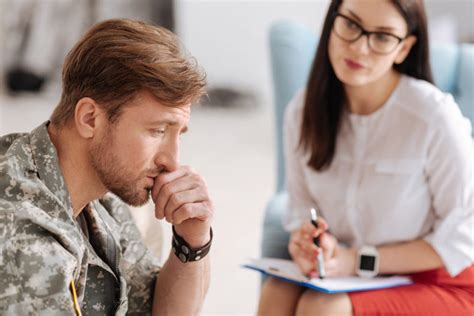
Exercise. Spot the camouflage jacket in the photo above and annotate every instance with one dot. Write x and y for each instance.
(43, 248)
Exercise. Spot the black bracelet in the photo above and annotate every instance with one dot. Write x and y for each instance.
(185, 253)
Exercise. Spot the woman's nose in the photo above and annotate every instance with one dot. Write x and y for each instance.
(361, 45)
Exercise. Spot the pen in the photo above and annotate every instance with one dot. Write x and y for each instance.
(314, 221)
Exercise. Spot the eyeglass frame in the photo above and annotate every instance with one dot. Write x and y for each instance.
(363, 32)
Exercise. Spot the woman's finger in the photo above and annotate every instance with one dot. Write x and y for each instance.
(328, 244)
(304, 265)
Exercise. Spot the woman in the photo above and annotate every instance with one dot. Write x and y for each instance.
(387, 158)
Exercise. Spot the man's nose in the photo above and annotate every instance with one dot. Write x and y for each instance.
(168, 156)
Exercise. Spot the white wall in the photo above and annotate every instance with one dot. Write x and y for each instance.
(450, 20)
(229, 38)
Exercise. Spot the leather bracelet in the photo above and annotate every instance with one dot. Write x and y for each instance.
(185, 253)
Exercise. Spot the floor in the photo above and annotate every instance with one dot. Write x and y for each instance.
(233, 149)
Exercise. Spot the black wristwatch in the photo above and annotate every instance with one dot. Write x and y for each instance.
(185, 253)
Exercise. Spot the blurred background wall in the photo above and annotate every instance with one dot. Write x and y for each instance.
(238, 29)
(227, 36)
(231, 139)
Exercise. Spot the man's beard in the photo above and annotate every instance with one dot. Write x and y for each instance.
(114, 175)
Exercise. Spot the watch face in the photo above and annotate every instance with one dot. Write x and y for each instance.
(367, 263)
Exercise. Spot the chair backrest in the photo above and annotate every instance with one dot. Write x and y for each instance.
(293, 47)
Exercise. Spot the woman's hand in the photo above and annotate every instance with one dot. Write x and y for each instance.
(338, 261)
(302, 248)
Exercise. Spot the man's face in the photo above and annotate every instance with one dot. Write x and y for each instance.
(143, 142)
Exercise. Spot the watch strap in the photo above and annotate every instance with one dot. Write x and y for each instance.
(185, 252)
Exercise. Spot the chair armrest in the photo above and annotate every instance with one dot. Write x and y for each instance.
(275, 238)
(465, 97)
(292, 48)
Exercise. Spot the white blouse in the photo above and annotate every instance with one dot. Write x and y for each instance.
(402, 173)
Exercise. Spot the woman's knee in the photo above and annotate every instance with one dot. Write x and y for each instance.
(316, 303)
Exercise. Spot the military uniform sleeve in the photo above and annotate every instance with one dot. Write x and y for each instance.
(35, 270)
(139, 266)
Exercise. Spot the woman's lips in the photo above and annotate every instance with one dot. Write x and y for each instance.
(353, 64)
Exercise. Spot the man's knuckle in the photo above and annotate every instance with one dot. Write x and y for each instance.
(195, 178)
(167, 189)
(174, 199)
(184, 209)
(187, 169)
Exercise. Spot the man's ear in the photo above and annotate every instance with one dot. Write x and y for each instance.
(87, 117)
(405, 50)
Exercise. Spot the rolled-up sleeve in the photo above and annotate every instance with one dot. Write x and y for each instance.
(449, 171)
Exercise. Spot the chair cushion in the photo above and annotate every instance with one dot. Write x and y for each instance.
(444, 60)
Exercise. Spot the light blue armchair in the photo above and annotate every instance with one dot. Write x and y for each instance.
(292, 49)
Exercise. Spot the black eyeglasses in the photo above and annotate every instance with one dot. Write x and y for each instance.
(350, 31)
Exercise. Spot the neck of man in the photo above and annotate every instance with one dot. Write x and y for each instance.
(82, 182)
(364, 100)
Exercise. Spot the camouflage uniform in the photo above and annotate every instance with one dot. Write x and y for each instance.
(43, 247)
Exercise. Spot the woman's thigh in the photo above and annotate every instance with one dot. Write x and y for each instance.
(279, 297)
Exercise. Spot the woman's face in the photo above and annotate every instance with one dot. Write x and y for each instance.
(354, 61)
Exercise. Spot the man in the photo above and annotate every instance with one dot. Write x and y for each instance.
(67, 245)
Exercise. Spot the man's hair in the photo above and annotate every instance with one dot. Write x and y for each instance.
(118, 58)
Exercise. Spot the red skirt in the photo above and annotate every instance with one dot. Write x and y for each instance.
(433, 293)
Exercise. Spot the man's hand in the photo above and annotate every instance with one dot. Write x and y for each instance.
(181, 198)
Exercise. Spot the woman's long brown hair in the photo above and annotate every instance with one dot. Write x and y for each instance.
(325, 94)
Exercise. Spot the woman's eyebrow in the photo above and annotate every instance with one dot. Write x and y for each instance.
(382, 28)
(355, 16)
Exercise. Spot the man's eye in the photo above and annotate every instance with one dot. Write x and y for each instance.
(157, 132)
